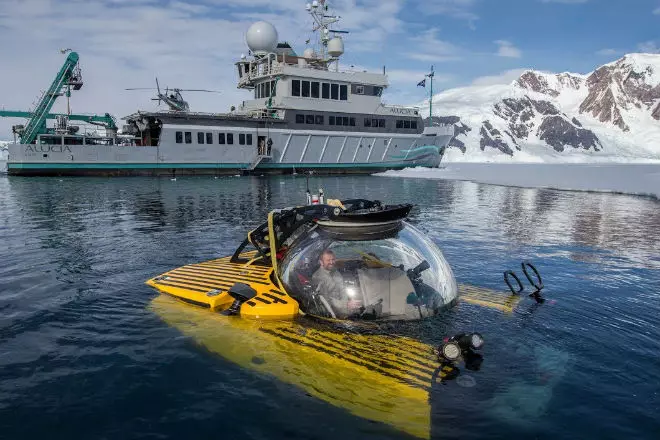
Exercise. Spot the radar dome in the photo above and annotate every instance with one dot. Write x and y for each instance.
(336, 47)
(309, 53)
(261, 38)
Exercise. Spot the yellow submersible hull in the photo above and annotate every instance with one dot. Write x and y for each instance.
(248, 317)
(380, 377)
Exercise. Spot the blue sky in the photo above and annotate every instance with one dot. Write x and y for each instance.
(193, 43)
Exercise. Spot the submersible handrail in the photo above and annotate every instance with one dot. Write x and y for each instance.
(537, 284)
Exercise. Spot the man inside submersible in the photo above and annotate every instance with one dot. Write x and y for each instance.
(329, 282)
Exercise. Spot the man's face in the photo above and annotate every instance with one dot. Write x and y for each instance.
(328, 261)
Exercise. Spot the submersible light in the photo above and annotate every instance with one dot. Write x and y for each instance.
(450, 350)
(461, 344)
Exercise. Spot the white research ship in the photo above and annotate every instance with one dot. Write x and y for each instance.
(305, 114)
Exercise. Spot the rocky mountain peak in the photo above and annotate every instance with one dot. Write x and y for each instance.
(630, 82)
(548, 83)
(611, 112)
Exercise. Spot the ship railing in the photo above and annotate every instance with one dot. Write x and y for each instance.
(402, 107)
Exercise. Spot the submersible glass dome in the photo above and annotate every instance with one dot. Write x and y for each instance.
(392, 274)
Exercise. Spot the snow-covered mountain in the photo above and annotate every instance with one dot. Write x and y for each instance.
(612, 113)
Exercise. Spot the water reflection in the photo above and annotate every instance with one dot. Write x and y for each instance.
(623, 226)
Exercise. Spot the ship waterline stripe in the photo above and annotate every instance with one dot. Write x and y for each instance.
(236, 166)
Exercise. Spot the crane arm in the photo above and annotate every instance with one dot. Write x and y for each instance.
(105, 120)
(65, 77)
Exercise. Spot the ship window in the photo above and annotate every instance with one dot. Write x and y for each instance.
(256, 95)
(345, 121)
(200, 138)
(267, 89)
(248, 139)
(325, 91)
(230, 138)
(367, 122)
(309, 119)
(374, 122)
(351, 122)
(209, 138)
(50, 140)
(295, 87)
(300, 119)
(413, 124)
(318, 119)
(338, 120)
(381, 123)
(358, 90)
(331, 120)
(241, 138)
(378, 91)
(73, 141)
(343, 92)
(273, 87)
(188, 137)
(221, 138)
(406, 124)
(315, 89)
(179, 137)
(305, 89)
(399, 123)
(334, 89)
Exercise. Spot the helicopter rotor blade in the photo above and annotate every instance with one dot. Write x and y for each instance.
(157, 85)
(199, 90)
(141, 88)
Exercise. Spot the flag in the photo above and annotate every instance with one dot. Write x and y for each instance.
(422, 83)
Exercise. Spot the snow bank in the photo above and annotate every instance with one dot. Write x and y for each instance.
(633, 178)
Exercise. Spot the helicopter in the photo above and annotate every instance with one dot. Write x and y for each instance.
(172, 97)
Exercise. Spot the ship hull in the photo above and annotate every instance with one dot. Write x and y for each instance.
(291, 151)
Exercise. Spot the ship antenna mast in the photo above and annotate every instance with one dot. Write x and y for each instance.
(431, 75)
(318, 9)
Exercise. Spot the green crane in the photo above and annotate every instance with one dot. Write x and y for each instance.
(68, 76)
(106, 120)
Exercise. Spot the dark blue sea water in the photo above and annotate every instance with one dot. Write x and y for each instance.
(82, 356)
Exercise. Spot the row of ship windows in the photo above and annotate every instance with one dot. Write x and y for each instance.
(207, 138)
(315, 89)
(350, 121)
(265, 89)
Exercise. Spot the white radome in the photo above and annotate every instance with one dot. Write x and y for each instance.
(261, 38)
(336, 47)
(309, 53)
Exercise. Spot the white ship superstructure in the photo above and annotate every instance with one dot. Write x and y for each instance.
(304, 113)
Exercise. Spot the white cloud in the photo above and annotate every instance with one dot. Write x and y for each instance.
(608, 52)
(435, 50)
(506, 77)
(649, 47)
(461, 9)
(656, 11)
(507, 49)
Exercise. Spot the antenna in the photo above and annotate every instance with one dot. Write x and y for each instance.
(318, 10)
(431, 75)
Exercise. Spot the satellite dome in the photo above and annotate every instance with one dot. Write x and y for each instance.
(309, 53)
(336, 47)
(261, 38)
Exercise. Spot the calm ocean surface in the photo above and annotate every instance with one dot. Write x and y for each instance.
(83, 357)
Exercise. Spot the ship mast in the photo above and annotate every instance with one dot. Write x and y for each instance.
(431, 75)
(330, 48)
